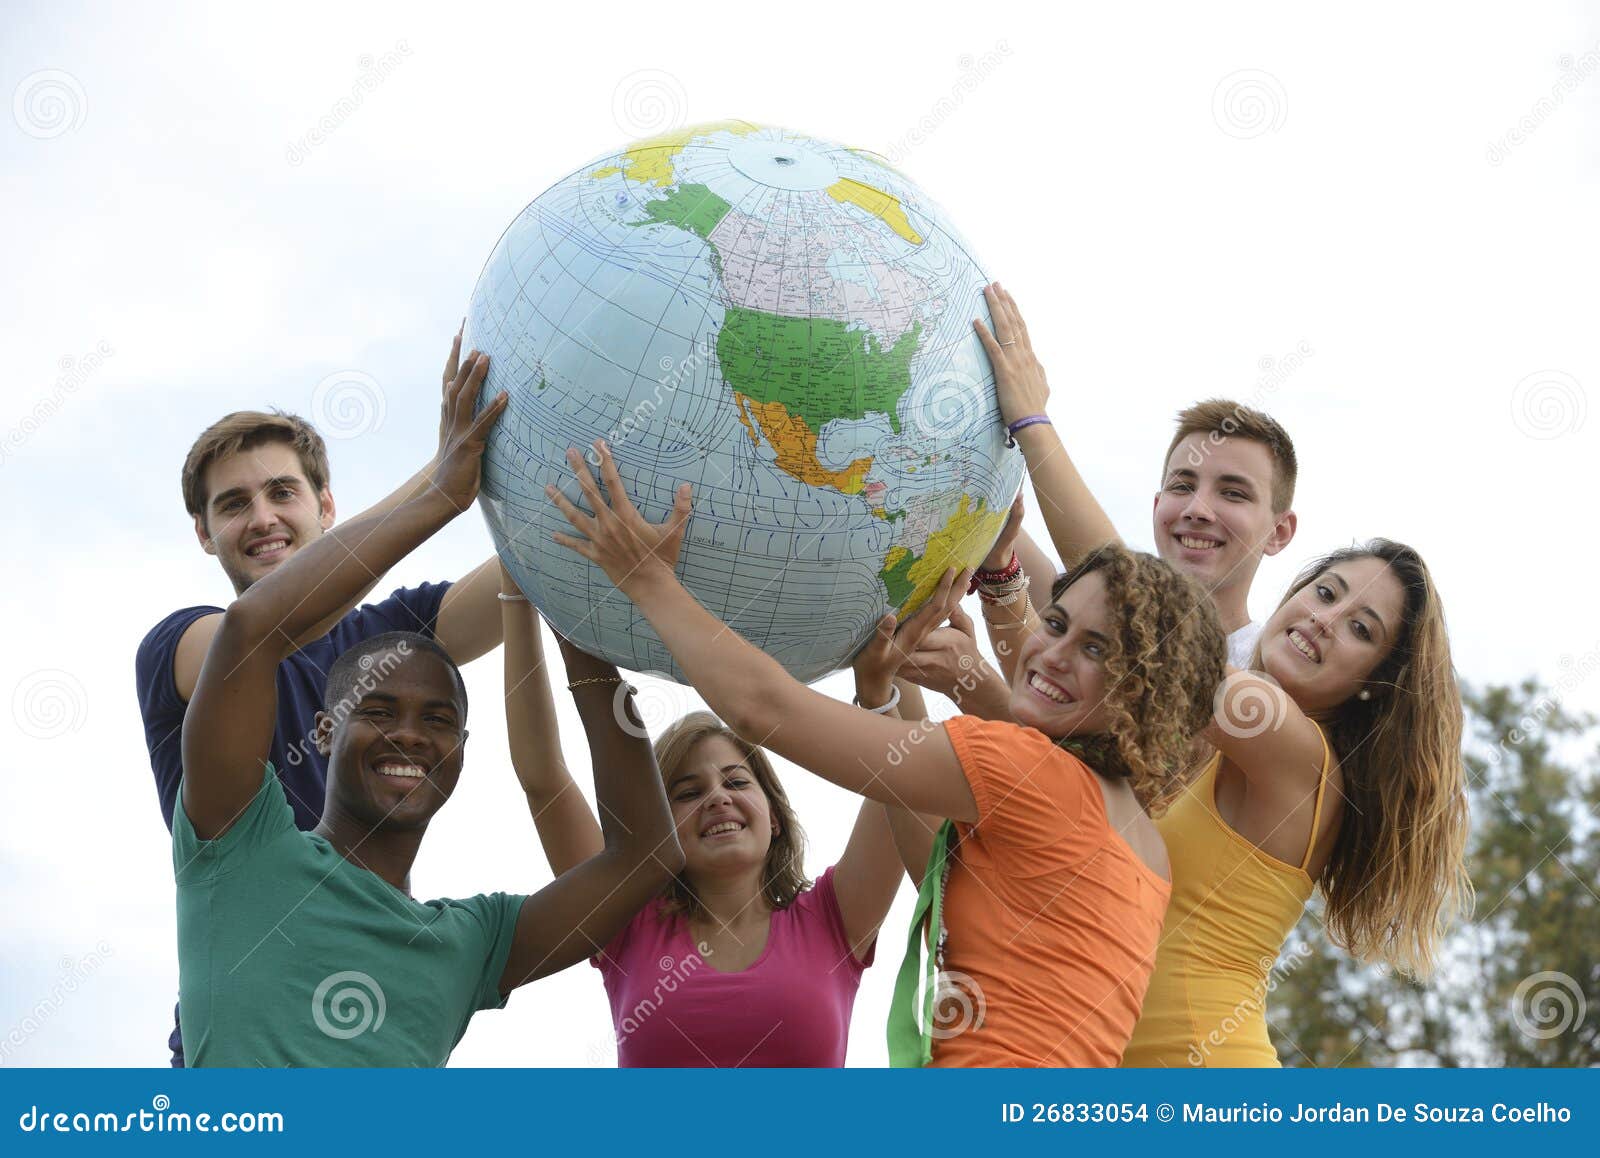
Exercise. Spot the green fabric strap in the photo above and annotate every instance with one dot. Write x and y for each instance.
(911, 1043)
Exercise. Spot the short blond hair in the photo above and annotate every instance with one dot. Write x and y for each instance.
(1222, 418)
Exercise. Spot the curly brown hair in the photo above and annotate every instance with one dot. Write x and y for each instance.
(783, 875)
(1166, 656)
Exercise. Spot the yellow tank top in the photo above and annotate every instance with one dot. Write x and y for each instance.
(1232, 908)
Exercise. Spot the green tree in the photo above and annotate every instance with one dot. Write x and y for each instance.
(1520, 982)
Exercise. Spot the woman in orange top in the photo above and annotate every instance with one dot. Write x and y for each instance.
(1057, 893)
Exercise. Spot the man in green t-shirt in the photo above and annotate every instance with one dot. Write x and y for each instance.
(306, 948)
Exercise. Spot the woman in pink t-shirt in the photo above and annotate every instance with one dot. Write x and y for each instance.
(742, 961)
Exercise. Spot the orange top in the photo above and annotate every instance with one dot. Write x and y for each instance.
(1052, 920)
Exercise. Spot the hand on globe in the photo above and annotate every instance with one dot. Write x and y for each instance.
(617, 538)
(881, 659)
(999, 556)
(948, 662)
(1019, 382)
(456, 470)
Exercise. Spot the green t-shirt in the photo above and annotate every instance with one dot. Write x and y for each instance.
(290, 955)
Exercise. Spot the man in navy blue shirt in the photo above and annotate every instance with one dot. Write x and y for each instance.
(257, 487)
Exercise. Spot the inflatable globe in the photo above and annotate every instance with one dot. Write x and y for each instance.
(785, 324)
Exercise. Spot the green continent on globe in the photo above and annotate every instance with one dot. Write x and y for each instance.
(961, 543)
(691, 207)
(895, 575)
(819, 368)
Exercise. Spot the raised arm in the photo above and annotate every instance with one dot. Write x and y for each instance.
(575, 915)
(1076, 521)
(566, 827)
(745, 686)
(1268, 738)
(228, 729)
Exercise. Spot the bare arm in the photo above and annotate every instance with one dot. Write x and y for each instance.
(470, 622)
(567, 829)
(575, 915)
(913, 832)
(1268, 738)
(228, 729)
(743, 684)
(1076, 521)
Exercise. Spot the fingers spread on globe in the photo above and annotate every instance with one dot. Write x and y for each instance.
(616, 537)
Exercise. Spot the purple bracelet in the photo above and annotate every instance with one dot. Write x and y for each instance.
(1031, 420)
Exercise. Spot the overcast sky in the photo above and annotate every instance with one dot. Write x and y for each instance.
(1375, 223)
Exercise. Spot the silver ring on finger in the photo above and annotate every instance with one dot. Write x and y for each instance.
(1012, 342)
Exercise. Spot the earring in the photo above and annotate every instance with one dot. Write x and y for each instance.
(1364, 694)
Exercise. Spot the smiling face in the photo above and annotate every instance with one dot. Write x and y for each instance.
(1060, 683)
(397, 756)
(1330, 635)
(259, 510)
(724, 820)
(1213, 515)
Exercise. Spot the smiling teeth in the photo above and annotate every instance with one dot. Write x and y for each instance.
(727, 826)
(269, 549)
(1046, 690)
(1197, 544)
(1302, 645)
(408, 771)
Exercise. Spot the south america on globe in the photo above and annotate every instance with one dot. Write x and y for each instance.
(782, 322)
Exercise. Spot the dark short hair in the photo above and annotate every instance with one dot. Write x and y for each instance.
(245, 430)
(358, 662)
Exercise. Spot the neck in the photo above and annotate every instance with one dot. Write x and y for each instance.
(730, 901)
(1232, 607)
(387, 853)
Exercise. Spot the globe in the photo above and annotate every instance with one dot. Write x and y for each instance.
(786, 324)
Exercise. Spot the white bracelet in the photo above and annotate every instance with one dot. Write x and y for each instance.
(504, 598)
(894, 702)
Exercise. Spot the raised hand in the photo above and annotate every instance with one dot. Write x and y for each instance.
(999, 556)
(457, 468)
(877, 663)
(617, 538)
(1019, 382)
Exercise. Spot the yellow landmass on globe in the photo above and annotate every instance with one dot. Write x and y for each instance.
(882, 205)
(796, 446)
(650, 161)
(960, 543)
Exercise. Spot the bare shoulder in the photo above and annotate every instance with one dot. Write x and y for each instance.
(190, 654)
(1130, 821)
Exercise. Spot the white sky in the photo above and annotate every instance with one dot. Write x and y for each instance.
(1160, 249)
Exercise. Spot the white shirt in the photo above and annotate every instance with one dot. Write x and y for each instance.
(1242, 643)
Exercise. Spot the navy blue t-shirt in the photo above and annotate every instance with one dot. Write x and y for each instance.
(302, 683)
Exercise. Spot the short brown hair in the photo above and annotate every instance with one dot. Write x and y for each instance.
(245, 430)
(1222, 418)
(783, 876)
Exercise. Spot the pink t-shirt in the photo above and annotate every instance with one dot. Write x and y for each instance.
(790, 1008)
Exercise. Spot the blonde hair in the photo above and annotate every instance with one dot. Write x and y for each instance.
(1221, 418)
(245, 430)
(1397, 877)
(783, 875)
(1166, 656)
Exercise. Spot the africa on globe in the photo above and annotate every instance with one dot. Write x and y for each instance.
(782, 322)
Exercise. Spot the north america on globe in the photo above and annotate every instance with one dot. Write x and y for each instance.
(784, 323)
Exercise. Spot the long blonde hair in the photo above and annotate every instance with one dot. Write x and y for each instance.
(783, 874)
(1397, 877)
